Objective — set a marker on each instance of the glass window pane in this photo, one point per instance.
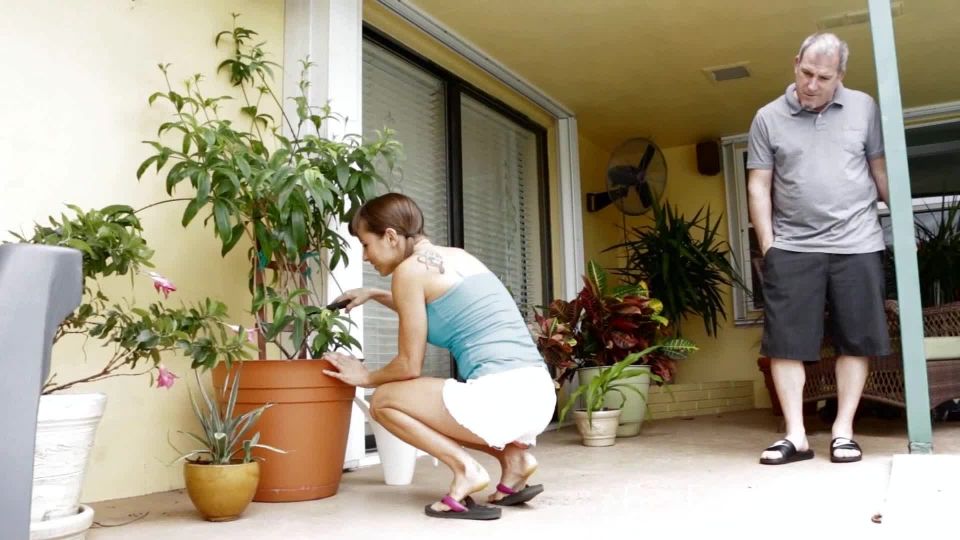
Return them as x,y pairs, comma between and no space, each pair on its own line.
410,101
501,218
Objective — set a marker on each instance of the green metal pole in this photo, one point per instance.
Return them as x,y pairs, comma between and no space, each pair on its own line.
904,244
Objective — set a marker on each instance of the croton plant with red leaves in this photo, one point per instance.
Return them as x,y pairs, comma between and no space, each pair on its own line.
601,326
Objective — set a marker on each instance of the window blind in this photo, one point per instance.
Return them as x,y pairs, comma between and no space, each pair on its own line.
410,101
500,200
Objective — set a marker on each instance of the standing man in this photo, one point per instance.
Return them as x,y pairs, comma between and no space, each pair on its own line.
816,169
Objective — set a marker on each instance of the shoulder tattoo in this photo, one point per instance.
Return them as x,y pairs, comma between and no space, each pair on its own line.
431,259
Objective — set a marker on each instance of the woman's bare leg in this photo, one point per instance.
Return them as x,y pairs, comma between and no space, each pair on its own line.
413,411
517,464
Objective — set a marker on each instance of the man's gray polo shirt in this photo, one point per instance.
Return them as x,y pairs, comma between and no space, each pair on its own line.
824,197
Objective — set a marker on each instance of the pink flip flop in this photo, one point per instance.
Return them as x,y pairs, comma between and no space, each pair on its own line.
466,510
514,497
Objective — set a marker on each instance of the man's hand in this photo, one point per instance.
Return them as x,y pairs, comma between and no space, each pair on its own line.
348,369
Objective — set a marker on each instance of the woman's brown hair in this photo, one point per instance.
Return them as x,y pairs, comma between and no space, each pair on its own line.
391,211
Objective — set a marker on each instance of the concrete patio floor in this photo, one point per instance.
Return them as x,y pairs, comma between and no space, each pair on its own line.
683,477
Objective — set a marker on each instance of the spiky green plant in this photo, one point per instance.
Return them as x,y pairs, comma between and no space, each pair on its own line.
595,393
685,262
223,433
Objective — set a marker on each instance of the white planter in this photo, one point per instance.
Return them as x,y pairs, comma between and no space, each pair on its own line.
66,426
634,408
72,527
398,459
601,430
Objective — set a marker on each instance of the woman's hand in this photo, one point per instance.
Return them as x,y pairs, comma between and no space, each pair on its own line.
356,297
348,369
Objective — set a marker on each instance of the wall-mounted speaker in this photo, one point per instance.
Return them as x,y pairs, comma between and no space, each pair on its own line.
708,158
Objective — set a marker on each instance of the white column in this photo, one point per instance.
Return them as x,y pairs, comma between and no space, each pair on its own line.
571,228
330,33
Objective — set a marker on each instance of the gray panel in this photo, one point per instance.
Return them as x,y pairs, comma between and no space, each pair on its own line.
39,287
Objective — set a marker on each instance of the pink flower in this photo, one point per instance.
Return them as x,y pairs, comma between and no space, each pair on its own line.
162,284
251,332
165,378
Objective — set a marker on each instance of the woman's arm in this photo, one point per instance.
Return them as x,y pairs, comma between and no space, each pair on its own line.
409,299
360,296
383,297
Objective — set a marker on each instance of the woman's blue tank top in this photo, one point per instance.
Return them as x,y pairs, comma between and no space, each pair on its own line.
479,323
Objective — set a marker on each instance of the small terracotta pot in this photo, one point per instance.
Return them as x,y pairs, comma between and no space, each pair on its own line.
221,492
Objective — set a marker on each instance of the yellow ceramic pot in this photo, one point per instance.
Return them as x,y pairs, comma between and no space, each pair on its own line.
221,492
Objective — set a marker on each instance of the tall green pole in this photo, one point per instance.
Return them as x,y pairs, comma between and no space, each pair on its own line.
904,244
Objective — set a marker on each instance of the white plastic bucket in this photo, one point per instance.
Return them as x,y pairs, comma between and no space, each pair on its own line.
398,459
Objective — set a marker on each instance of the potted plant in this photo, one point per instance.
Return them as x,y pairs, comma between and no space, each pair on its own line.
597,420
222,476
277,186
937,233
603,325
111,242
684,262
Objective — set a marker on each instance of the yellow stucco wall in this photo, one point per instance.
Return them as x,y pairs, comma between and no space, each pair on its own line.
600,229
732,354
75,106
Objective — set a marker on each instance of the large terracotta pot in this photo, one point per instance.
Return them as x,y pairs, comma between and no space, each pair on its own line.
221,492
310,419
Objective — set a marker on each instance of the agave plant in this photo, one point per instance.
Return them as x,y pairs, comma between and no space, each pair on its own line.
595,393
223,433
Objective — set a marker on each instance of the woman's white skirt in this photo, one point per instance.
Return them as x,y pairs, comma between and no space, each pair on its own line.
501,408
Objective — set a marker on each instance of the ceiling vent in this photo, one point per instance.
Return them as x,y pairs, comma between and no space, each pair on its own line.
728,72
851,18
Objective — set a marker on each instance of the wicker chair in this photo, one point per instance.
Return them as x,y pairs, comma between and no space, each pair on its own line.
885,382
